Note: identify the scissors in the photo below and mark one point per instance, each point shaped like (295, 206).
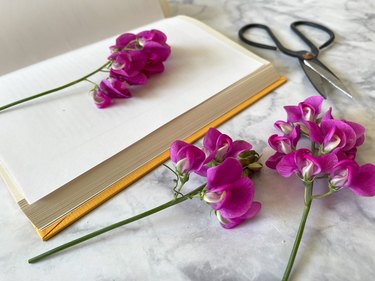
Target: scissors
(314, 69)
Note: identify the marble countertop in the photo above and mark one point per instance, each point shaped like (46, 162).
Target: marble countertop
(186, 241)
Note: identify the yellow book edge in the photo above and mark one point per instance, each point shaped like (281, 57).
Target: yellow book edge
(85, 208)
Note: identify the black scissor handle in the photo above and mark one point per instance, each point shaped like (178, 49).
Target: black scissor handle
(241, 34)
(295, 24)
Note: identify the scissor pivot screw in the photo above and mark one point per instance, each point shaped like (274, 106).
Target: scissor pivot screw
(308, 56)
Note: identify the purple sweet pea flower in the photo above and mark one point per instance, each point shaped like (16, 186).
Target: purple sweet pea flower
(133, 59)
(359, 131)
(284, 127)
(152, 35)
(336, 135)
(108, 90)
(348, 174)
(151, 69)
(131, 62)
(156, 49)
(138, 78)
(101, 100)
(300, 162)
(187, 157)
(219, 146)
(230, 194)
(274, 159)
(123, 41)
(281, 144)
(114, 89)
(156, 52)
(229, 223)
(308, 110)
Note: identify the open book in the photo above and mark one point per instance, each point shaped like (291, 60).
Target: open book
(61, 157)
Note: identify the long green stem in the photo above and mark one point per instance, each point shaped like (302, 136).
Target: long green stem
(118, 224)
(55, 89)
(306, 210)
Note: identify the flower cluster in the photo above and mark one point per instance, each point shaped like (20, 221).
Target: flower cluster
(332, 153)
(226, 165)
(133, 59)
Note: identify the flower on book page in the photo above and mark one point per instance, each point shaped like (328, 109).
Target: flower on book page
(330, 156)
(226, 187)
(134, 58)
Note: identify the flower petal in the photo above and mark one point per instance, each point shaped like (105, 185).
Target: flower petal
(107, 88)
(315, 103)
(283, 126)
(359, 131)
(240, 199)
(293, 113)
(280, 143)
(233, 222)
(187, 157)
(152, 35)
(151, 69)
(101, 100)
(287, 165)
(327, 161)
(175, 148)
(273, 160)
(315, 133)
(363, 182)
(210, 139)
(238, 147)
(226, 173)
(123, 40)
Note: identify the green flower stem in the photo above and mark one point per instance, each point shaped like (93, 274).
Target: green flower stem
(306, 210)
(324, 194)
(55, 89)
(171, 203)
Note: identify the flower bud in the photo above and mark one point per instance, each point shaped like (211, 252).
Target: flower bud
(256, 166)
(248, 157)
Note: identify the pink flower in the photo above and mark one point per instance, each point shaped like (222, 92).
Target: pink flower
(308, 110)
(304, 164)
(136, 78)
(274, 159)
(123, 41)
(348, 174)
(284, 127)
(101, 100)
(219, 146)
(283, 144)
(130, 61)
(114, 89)
(133, 58)
(230, 193)
(336, 135)
(153, 35)
(108, 90)
(187, 157)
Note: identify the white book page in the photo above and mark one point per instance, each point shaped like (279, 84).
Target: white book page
(49, 141)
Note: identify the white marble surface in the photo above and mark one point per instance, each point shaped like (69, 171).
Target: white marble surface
(186, 241)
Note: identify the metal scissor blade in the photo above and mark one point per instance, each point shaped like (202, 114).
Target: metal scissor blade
(327, 75)
(316, 80)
